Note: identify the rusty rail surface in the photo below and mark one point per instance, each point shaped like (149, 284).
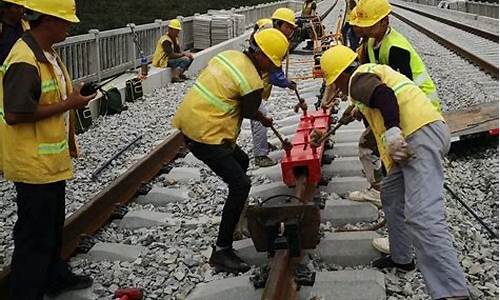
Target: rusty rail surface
(483, 64)
(96, 213)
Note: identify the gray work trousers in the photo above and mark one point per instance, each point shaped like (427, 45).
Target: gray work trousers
(259, 134)
(412, 199)
(368, 155)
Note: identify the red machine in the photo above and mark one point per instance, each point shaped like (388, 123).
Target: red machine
(303, 159)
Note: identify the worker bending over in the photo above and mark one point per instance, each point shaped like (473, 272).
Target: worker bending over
(412, 138)
(168, 52)
(209, 117)
(282, 19)
(37, 132)
(384, 45)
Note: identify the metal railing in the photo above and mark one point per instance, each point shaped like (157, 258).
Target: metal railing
(101, 54)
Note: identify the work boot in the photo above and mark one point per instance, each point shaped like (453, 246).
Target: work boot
(264, 161)
(387, 262)
(176, 75)
(226, 260)
(368, 195)
(382, 245)
(69, 283)
(272, 147)
(309, 46)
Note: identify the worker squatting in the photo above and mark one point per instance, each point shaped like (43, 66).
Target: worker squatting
(386, 81)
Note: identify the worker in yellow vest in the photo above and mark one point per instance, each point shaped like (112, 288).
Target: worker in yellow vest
(38, 141)
(282, 19)
(12, 25)
(209, 117)
(412, 139)
(168, 52)
(308, 8)
(308, 11)
(384, 45)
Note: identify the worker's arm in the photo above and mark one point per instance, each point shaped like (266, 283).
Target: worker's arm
(169, 50)
(399, 60)
(278, 78)
(22, 92)
(250, 103)
(371, 91)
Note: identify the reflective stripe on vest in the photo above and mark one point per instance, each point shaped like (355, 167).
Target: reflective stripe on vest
(2, 115)
(236, 74)
(418, 70)
(212, 99)
(49, 86)
(52, 148)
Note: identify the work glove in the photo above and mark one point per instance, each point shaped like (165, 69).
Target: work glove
(347, 115)
(397, 146)
(292, 85)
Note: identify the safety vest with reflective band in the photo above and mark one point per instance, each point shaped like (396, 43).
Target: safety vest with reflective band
(160, 58)
(307, 9)
(268, 87)
(38, 152)
(210, 111)
(415, 110)
(419, 72)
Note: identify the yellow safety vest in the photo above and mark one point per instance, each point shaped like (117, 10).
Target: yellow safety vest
(160, 58)
(419, 72)
(268, 87)
(38, 152)
(210, 111)
(307, 9)
(415, 110)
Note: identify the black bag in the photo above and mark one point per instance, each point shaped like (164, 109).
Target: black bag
(111, 102)
(133, 89)
(83, 119)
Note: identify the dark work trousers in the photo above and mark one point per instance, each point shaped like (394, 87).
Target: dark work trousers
(36, 261)
(230, 163)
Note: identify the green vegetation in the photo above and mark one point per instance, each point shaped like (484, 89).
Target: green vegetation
(108, 14)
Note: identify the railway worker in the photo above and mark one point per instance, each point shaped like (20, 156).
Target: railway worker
(347, 30)
(282, 19)
(209, 117)
(12, 25)
(412, 138)
(384, 45)
(168, 52)
(38, 138)
(308, 11)
(309, 8)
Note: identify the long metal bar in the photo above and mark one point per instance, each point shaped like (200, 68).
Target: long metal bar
(492, 233)
(281, 282)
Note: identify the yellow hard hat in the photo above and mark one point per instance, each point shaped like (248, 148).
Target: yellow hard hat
(368, 12)
(264, 22)
(273, 44)
(284, 14)
(62, 9)
(17, 2)
(335, 60)
(175, 24)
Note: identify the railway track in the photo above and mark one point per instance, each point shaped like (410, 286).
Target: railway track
(346, 173)
(462, 39)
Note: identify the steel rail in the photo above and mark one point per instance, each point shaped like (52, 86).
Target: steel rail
(477, 31)
(97, 212)
(483, 64)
